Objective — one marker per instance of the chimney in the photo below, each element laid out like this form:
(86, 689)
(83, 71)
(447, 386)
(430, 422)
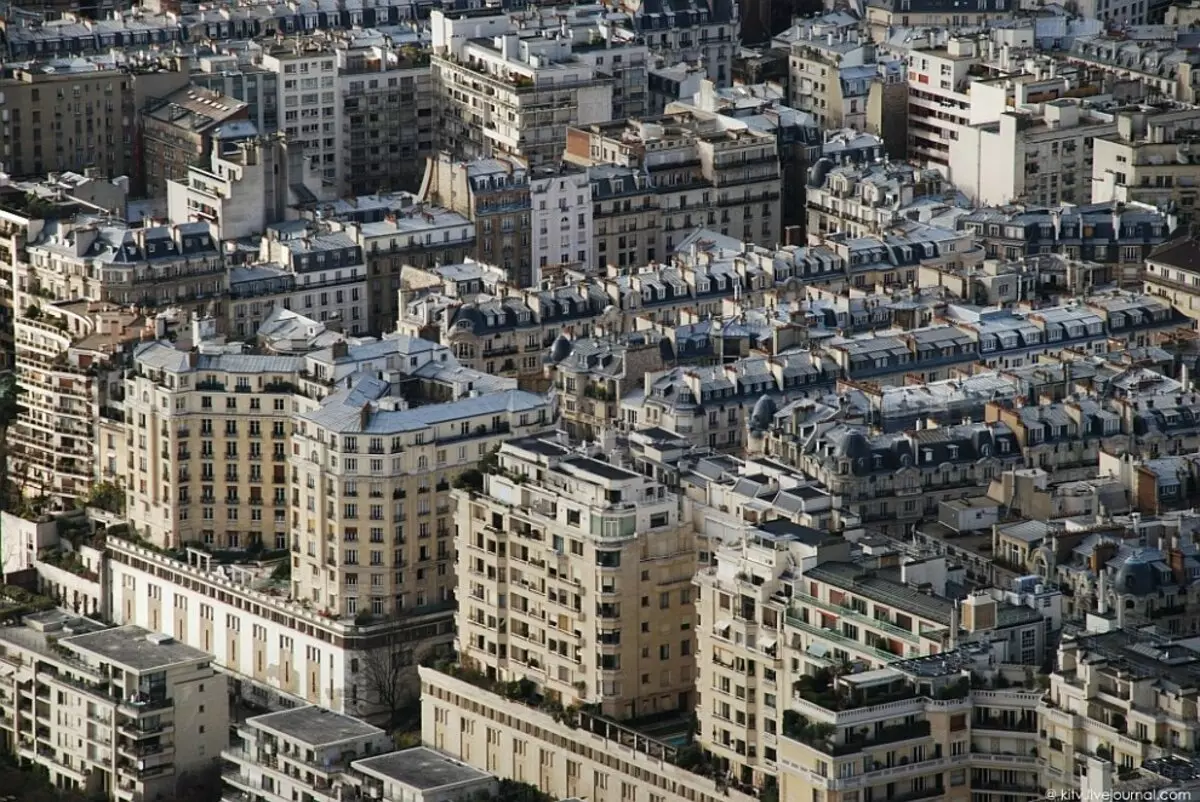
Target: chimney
(1175, 562)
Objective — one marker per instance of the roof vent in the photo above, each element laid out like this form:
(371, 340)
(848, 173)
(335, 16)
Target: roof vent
(159, 639)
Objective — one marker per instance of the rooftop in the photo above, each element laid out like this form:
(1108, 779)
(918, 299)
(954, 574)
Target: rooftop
(136, 648)
(314, 726)
(421, 768)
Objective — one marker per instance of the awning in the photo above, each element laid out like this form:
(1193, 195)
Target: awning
(817, 649)
(768, 644)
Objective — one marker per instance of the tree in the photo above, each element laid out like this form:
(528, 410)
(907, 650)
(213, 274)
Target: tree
(382, 671)
(107, 496)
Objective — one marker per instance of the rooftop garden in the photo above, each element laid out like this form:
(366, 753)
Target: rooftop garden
(68, 561)
(17, 601)
(523, 691)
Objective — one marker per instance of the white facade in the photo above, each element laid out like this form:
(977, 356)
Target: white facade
(21, 540)
(512, 95)
(562, 222)
(308, 102)
(282, 648)
(239, 193)
(1040, 155)
(938, 99)
(124, 706)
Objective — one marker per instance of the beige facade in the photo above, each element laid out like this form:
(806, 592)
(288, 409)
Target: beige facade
(125, 709)
(58, 120)
(1149, 160)
(706, 173)
(209, 446)
(787, 603)
(551, 529)
(68, 360)
(316, 754)
(516, 741)
(372, 515)
(1106, 700)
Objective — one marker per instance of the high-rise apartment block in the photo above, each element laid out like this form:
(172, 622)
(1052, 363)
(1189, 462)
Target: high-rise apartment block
(388, 126)
(788, 601)
(372, 516)
(576, 575)
(308, 101)
(123, 709)
(504, 91)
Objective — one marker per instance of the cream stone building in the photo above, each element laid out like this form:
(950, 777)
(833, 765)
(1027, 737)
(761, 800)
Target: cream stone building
(123, 709)
(787, 602)
(372, 512)
(557, 539)
(1124, 696)
(279, 652)
(514, 740)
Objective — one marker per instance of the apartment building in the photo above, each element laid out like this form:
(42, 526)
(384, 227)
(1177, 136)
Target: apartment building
(939, 78)
(182, 128)
(1043, 157)
(1106, 701)
(325, 265)
(313, 119)
(831, 73)
(68, 361)
(459, 716)
(798, 136)
(887, 15)
(625, 215)
(1148, 160)
(104, 259)
(785, 605)
(1172, 273)
(239, 189)
(386, 94)
(561, 222)
(399, 540)
(235, 74)
(501, 94)
(76, 113)
(494, 194)
(707, 171)
(1166, 72)
(596, 374)
(869, 199)
(398, 231)
(713, 405)
(208, 462)
(124, 709)
(916, 730)
(280, 651)
(306, 749)
(692, 32)
(577, 522)
(1121, 238)
(326, 755)
(163, 23)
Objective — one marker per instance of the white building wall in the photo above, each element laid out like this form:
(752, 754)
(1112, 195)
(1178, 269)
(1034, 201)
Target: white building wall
(131, 605)
(561, 219)
(309, 108)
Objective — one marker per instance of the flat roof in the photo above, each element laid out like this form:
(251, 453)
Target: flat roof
(314, 726)
(421, 768)
(136, 648)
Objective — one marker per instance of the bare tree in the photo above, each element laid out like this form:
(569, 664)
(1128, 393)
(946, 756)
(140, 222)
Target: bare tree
(382, 671)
